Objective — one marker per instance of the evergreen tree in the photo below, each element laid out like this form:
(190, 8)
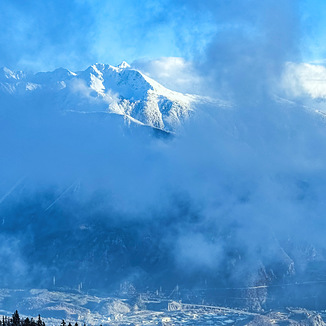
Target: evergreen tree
(39, 321)
(27, 322)
(16, 318)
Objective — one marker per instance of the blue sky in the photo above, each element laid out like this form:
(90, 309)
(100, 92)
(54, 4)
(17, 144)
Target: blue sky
(313, 15)
(43, 35)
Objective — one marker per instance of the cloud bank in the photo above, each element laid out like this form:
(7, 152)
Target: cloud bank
(235, 199)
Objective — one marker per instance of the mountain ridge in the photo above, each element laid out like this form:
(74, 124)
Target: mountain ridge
(120, 90)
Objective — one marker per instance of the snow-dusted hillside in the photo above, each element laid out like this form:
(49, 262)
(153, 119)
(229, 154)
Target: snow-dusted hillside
(119, 90)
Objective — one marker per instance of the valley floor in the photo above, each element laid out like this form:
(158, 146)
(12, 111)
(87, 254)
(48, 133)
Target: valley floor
(75, 306)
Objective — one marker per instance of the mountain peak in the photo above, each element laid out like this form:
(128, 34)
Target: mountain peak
(64, 72)
(123, 65)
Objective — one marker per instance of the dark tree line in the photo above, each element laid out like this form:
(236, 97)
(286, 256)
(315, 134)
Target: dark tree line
(15, 320)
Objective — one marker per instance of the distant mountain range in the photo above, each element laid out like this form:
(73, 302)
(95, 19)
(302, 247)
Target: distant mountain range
(103, 88)
(129, 93)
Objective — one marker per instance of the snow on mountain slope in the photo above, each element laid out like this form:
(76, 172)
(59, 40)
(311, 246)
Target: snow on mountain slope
(119, 90)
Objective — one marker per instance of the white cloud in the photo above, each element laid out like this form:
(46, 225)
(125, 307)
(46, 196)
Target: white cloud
(197, 252)
(172, 72)
(301, 80)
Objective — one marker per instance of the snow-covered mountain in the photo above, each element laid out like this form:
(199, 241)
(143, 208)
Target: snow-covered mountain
(194, 212)
(103, 88)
